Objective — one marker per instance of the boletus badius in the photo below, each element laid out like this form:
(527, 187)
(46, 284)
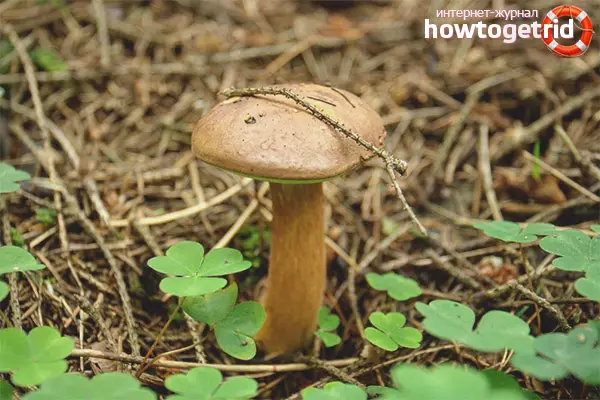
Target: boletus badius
(273, 139)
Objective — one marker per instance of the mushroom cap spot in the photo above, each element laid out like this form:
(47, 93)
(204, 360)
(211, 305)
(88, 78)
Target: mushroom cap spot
(287, 142)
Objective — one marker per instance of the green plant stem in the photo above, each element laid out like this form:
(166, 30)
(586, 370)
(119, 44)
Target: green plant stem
(143, 366)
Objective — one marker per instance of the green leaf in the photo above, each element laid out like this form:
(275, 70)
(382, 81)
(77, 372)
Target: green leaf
(6, 391)
(448, 382)
(107, 386)
(15, 259)
(329, 339)
(595, 228)
(327, 321)
(4, 289)
(511, 232)
(335, 391)
(390, 332)
(397, 286)
(212, 307)
(590, 285)
(33, 359)
(577, 251)
(9, 176)
(194, 273)
(234, 333)
(496, 331)
(204, 383)
(47, 60)
(559, 354)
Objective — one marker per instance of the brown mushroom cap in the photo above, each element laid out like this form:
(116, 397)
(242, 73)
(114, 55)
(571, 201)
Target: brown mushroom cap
(274, 139)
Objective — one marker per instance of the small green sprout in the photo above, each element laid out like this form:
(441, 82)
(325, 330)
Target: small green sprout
(389, 332)
(450, 382)
(576, 251)
(47, 60)
(204, 383)
(9, 176)
(108, 386)
(496, 330)
(45, 216)
(511, 231)
(335, 391)
(195, 273)
(16, 237)
(3, 290)
(397, 286)
(556, 355)
(15, 259)
(328, 323)
(35, 357)
(234, 326)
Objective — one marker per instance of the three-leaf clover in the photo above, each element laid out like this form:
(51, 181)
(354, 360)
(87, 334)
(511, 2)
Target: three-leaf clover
(9, 176)
(35, 357)
(108, 386)
(511, 231)
(3, 290)
(389, 332)
(496, 330)
(449, 382)
(14, 259)
(328, 323)
(204, 383)
(577, 251)
(559, 354)
(335, 391)
(397, 286)
(194, 272)
(234, 326)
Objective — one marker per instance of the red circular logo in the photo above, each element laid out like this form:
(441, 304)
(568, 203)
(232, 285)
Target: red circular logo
(551, 21)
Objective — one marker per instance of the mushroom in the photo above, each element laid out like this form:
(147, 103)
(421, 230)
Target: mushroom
(273, 139)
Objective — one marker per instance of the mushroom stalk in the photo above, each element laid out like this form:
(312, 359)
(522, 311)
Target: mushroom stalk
(297, 268)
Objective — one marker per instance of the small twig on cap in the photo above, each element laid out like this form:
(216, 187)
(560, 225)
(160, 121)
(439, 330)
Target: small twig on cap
(392, 163)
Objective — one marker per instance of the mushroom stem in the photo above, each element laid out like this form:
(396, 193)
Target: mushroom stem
(297, 270)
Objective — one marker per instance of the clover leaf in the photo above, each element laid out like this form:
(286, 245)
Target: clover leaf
(328, 322)
(595, 228)
(335, 391)
(449, 382)
(397, 286)
(9, 176)
(496, 330)
(577, 251)
(234, 326)
(588, 286)
(6, 391)
(559, 354)
(389, 332)
(108, 386)
(35, 357)
(3, 290)
(47, 60)
(14, 259)
(204, 383)
(511, 232)
(194, 272)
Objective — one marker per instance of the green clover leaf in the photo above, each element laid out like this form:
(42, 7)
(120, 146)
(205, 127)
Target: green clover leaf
(328, 322)
(511, 232)
(33, 359)
(335, 391)
(588, 286)
(397, 286)
(234, 325)
(595, 228)
(449, 382)
(204, 383)
(4, 289)
(559, 354)
(6, 391)
(47, 60)
(14, 259)
(496, 330)
(9, 176)
(194, 272)
(390, 332)
(577, 251)
(108, 386)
